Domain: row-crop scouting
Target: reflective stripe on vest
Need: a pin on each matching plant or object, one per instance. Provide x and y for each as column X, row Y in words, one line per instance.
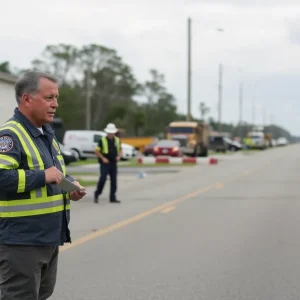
column 105, row 144
column 34, row 159
column 28, row 207
column 60, row 158
column 8, row 163
column 22, row 181
column 39, row 202
column 62, row 163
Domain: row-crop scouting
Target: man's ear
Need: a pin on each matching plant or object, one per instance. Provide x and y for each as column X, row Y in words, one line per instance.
column 26, row 100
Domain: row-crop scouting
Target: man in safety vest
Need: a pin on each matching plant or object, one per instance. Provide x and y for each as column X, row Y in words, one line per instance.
column 34, row 211
column 109, row 153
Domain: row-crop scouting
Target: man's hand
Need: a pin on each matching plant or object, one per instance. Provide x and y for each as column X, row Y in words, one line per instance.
column 77, row 195
column 118, row 158
column 105, row 160
column 53, row 175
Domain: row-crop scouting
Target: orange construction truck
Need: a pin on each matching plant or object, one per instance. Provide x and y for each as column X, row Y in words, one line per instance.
column 193, row 136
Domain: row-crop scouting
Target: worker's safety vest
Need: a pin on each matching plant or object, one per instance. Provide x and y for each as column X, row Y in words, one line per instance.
column 60, row 157
column 38, row 203
column 105, row 144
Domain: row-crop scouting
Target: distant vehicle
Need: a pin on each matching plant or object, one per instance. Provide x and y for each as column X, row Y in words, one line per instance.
column 149, row 149
column 193, row 136
column 168, row 148
column 68, row 155
column 282, row 141
column 138, row 142
column 233, row 145
column 274, row 143
column 181, row 138
column 217, row 143
column 257, row 140
column 58, row 126
column 84, row 142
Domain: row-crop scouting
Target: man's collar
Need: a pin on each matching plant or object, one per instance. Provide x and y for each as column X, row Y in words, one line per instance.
column 30, row 127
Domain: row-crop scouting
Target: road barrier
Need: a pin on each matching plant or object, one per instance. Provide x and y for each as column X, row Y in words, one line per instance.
column 177, row 160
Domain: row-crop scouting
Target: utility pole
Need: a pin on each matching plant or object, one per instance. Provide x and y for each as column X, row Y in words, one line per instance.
column 264, row 117
column 220, row 96
column 88, row 99
column 189, row 116
column 241, row 108
column 253, row 112
column 271, row 119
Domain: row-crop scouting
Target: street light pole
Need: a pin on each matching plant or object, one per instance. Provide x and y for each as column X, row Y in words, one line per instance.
column 220, row 91
column 189, row 75
column 189, row 116
column 220, row 95
column 271, row 119
column 253, row 112
column 241, row 108
column 88, row 99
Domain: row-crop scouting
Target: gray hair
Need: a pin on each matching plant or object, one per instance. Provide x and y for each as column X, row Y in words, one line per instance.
column 29, row 83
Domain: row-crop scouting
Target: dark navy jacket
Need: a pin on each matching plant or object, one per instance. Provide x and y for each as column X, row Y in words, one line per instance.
column 47, row 229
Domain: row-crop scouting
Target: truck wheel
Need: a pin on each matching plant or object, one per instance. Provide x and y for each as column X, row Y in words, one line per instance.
column 80, row 157
column 198, row 150
column 204, row 152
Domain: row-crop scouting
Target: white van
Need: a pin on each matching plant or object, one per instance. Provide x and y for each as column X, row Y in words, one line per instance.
column 84, row 142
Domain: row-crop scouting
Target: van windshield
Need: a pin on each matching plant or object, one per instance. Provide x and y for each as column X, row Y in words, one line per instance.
column 185, row 130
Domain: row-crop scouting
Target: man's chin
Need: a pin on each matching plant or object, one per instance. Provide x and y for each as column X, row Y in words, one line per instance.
column 49, row 118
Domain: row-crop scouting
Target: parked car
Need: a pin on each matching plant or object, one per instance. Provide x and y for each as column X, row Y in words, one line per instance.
column 69, row 155
column 168, row 148
column 149, row 149
column 218, row 144
column 233, row 145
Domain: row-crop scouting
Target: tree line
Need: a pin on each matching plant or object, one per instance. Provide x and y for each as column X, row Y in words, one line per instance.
column 99, row 73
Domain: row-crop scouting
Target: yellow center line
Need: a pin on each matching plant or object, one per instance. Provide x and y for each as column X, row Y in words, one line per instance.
column 167, row 206
column 168, row 209
column 219, row 186
column 131, row 220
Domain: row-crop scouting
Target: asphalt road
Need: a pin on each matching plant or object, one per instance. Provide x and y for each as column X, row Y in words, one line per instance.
column 228, row 231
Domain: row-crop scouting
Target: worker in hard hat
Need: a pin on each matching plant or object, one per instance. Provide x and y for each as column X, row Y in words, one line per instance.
column 109, row 153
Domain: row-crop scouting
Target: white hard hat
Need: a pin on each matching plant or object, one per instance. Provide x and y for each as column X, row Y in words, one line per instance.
column 111, row 128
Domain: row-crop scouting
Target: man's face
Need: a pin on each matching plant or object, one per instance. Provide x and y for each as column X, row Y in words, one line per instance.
column 110, row 135
column 43, row 104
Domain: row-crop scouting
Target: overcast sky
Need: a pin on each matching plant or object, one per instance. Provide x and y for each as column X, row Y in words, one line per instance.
column 259, row 46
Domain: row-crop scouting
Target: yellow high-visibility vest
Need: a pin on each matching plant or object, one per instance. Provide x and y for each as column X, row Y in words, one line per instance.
column 60, row 157
column 105, row 144
column 38, row 203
